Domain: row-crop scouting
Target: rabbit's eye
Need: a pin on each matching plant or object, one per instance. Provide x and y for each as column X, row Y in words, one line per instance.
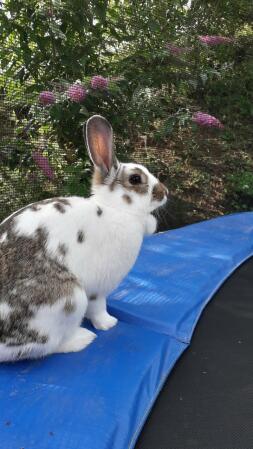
column 135, row 179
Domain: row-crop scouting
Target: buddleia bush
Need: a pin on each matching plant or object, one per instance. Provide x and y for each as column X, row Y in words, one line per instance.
column 158, row 70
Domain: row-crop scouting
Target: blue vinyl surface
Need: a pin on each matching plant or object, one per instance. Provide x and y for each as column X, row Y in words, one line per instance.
column 94, row 399
column 99, row 398
column 179, row 271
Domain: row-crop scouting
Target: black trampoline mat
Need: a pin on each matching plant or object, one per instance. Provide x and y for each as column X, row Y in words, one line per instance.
column 207, row 401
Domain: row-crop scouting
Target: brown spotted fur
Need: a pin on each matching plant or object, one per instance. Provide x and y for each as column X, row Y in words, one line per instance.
column 38, row 279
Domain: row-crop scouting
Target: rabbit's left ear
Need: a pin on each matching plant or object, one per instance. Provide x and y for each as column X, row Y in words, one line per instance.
column 99, row 140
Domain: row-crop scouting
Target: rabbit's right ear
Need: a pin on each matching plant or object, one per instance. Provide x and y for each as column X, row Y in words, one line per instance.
column 98, row 135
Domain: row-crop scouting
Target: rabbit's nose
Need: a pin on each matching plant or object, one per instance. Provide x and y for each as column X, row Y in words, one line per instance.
column 164, row 189
column 159, row 192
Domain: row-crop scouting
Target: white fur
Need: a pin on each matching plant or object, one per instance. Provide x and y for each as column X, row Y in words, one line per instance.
column 98, row 315
column 5, row 310
column 31, row 350
column 78, row 341
column 111, row 245
column 3, row 237
column 151, row 225
column 112, row 240
column 52, row 320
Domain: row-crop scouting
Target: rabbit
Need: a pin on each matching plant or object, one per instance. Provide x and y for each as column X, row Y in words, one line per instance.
column 61, row 257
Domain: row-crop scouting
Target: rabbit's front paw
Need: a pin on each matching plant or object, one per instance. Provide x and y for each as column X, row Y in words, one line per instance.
column 104, row 321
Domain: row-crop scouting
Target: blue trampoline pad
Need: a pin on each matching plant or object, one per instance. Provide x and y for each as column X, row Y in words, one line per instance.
column 94, row 399
column 179, row 271
column 99, row 398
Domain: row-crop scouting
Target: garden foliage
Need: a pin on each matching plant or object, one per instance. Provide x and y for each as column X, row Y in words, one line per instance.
column 173, row 77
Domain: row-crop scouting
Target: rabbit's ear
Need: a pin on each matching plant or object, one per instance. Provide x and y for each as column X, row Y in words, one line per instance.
column 99, row 140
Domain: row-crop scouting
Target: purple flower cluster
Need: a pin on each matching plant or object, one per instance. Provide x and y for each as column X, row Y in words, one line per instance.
column 76, row 93
column 99, row 82
column 46, row 97
column 215, row 40
column 43, row 164
column 207, row 120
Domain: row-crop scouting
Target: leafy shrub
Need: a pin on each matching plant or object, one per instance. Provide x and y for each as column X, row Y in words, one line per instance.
column 148, row 66
column 240, row 190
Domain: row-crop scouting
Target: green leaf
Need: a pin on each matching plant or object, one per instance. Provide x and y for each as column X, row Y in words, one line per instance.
column 84, row 111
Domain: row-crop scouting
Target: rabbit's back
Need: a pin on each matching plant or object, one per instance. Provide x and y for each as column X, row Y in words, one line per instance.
column 69, row 237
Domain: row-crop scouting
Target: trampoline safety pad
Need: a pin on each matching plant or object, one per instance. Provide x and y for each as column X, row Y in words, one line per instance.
column 99, row 398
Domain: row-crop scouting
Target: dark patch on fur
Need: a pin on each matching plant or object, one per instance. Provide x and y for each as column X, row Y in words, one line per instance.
column 43, row 339
column 92, row 297
column 159, row 191
column 127, row 199
column 8, row 223
column 98, row 178
column 99, row 211
column 138, row 188
column 15, row 329
column 63, row 201
column 122, row 178
column 80, row 236
column 113, row 184
column 62, row 248
column 58, row 206
column 35, row 207
column 115, row 162
column 29, row 278
column 69, row 307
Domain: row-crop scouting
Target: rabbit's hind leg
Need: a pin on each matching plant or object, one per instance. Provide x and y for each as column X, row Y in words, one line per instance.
column 76, row 338
column 18, row 340
column 38, row 330
column 9, row 353
column 62, row 321
column 79, row 340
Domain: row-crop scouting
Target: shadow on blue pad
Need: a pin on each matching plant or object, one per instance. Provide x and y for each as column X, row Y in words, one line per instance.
column 99, row 398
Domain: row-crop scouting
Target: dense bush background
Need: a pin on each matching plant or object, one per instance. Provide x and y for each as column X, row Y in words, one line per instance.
column 160, row 74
